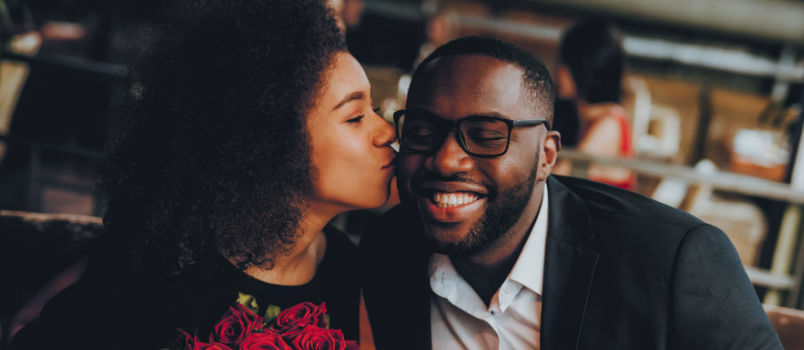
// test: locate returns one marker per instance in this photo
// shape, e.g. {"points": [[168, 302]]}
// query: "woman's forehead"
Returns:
{"points": [[344, 80]]}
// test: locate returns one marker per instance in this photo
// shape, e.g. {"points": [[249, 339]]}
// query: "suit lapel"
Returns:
{"points": [[568, 270]]}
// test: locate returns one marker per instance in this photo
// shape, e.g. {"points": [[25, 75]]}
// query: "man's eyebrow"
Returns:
{"points": [[357, 95], [491, 114]]}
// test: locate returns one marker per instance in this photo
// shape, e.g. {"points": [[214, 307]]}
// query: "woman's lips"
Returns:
{"points": [[390, 163], [389, 169]]}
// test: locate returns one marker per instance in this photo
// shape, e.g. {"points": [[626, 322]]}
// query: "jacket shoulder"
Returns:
{"points": [[614, 205]]}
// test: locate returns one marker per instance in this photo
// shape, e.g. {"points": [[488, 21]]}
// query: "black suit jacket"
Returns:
{"points": [[621, 272]]}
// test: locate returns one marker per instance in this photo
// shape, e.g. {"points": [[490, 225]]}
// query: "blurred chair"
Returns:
{"points": [[40, 254], [656, 129], [789, 324]]}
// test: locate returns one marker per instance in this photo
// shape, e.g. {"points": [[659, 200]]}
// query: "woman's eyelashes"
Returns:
{"points": [[357, 119]]}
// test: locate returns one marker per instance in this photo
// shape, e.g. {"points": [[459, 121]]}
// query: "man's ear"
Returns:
{"points": [[548, 155]]}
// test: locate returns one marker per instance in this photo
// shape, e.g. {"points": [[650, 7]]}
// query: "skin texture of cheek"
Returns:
{"points": [[347, 178], [350, 166], [368, 184]]}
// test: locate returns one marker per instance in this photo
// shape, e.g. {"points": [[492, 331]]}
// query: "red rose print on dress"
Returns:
{"points": [[235, 325], [316, 338], [301, 327], [295, 318], [264, 341], [213, 346]]}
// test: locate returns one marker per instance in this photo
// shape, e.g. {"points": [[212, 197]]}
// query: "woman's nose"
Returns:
{"points": [[386, 134]]}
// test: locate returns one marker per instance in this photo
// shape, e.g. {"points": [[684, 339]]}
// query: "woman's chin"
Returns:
{"points": [[381, 202], [378, 202]]}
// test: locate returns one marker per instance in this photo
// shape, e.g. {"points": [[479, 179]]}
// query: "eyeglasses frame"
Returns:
{"points": [[455, 125]]}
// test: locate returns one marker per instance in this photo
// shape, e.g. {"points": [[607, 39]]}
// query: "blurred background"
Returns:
{"points": [[712, 92]]}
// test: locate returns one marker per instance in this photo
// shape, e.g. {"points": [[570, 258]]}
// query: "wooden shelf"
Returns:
{"points": [[720, 180]]}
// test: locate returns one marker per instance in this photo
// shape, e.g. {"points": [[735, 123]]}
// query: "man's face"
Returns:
{"points": [[481, 199]]}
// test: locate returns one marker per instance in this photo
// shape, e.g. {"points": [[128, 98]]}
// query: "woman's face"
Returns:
{"points": [[351, 143]]}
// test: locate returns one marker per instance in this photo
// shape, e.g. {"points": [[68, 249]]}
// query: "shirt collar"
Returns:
{"points": [[529, 267]]}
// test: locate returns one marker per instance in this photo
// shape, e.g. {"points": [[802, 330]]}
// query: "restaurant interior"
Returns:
{"points": [[713, 92]]}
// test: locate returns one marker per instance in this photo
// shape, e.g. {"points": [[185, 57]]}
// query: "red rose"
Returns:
{"points": [[214, 346], [316, 338], [199, 345], [267, 341], [186, 339], [235, 325], [191, 342], [299, 316]]}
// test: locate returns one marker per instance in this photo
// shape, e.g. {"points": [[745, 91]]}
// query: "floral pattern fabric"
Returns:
{"points": [[304, 326]]}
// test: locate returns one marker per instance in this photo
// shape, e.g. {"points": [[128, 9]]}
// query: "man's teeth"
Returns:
{"points": [[445, 200]]}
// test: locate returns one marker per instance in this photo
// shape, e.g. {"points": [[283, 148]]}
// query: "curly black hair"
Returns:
{"points": [[214, 154]]}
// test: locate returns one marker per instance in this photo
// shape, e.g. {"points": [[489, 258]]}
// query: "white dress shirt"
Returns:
{"points": [[460, 319]]}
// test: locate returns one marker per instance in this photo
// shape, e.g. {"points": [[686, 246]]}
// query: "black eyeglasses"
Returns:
{"points": [[420, 131]]}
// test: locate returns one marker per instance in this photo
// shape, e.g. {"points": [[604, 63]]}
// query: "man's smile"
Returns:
{"points": [[451, 201]]}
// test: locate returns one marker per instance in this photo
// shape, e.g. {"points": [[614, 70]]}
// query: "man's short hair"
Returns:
{"points": [[537, 78]]}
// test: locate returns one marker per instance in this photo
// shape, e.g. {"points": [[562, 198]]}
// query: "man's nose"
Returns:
{"points": [[450, 158]]}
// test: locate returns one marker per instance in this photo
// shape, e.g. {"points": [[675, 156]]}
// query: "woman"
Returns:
{"points": [[251, 128], [588, 80]]}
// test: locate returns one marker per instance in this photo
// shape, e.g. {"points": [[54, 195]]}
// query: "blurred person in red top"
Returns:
{"points": [[588, 79]]}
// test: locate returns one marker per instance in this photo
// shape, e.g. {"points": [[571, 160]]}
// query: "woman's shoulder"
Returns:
{"points": [[602, 111], [606, 133]]}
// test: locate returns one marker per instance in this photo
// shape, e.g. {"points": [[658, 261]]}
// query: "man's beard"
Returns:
{"points": [[495, 222]]}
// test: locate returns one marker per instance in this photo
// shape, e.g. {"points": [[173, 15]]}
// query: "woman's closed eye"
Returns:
{"points": [[357, 119]]}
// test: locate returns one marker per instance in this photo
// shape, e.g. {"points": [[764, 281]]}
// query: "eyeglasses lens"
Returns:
{"points": [[479, 136], [484, 136]]}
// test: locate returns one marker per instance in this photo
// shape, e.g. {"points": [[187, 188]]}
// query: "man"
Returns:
{"points": [[488, 251]]}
